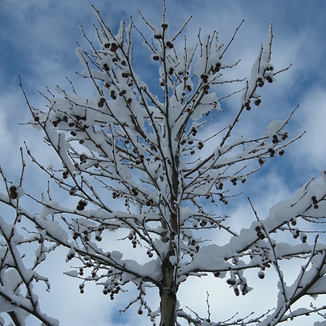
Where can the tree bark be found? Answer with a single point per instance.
(168, 290)
(14, 318)
(168, 295)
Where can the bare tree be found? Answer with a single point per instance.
(157, 170)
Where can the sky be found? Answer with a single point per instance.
(38, 41)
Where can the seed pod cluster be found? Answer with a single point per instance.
(303, 237)
(293, 222)
(81, 288)
(260, 234)
(216, 68)
(112, 287)
(116, 194)
(134, 191)
(244, 288)
(98, 237)
(223, 199)
(169, 44)
(231, 281)
(81, 205)
(247, 105)
(157, 35)
(257, 101)
(296, 233)
(155, 57)
(315, 202)
(234, 181)
(71, 255)
(133, 238)
(271, 152)
(260, 82)
(204, 78)
(275, 139)
(101, 102)
(65, 174)
(13, 192)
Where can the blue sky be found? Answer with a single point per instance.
(38, 41)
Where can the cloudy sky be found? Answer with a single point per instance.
(38, 40)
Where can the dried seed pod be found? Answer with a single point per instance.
(81, 205)
(101, 102)
(114, 47)
(285, 136)
(260, 82)
(275, 139)
(13, 194)
(244, 290)
(157, 35)
(204, 77)
(217, 67)
(165, 25)
(169, 44)
(231, 281)
(269, 78)
(247, 105)
(12, 189)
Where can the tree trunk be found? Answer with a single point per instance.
(168, 295)
(168, 290)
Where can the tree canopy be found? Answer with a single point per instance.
(154, 167)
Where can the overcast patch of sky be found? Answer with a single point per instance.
(38, 39)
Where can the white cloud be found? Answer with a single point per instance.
(312, 118)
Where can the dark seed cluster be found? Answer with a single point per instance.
(13, 192)
(81, 205)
